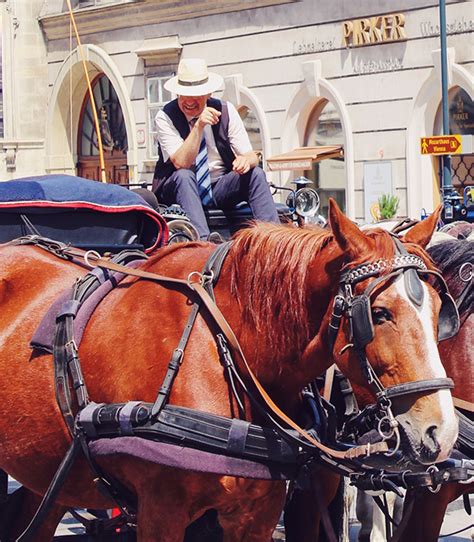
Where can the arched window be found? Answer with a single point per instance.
(461, 121)
(253, 129)
(324, 127)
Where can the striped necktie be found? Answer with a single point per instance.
(203, 176)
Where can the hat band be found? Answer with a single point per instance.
(192, 83)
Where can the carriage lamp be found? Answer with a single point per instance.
(307, 202)
(304, 200)
(453, 208)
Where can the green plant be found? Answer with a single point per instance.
(388, 206)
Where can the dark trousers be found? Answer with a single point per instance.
(228, 191)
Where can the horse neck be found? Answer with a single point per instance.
(274, 339)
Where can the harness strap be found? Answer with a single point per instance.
(464, 405)
(420, 386)
(211, 269)
(174, 364)
(53, 489)
(357, 451)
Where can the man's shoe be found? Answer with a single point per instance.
(215, 237)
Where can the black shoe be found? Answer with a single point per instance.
(216, 238)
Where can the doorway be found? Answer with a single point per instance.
(112, 131)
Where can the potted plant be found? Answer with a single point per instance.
(388, 206)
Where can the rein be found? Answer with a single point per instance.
(199, 285)
(197, 282)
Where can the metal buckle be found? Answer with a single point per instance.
(430, 470)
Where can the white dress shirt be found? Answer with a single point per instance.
(171, 141)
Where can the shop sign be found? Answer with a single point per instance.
(376, 66)
(313, 46)
(378, 29)
(456, 26)
(443, 144)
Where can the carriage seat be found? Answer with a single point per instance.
(230, 221)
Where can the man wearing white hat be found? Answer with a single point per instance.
(205, 155)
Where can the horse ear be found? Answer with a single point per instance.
(347, 234)
(421, 233)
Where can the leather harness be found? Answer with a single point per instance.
(293, 445)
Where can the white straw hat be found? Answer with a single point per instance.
(194, 79)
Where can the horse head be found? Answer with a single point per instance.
(389, 333)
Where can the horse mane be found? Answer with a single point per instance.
(269, 273)
(448, 256)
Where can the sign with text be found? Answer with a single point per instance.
(378, 29)
(377, 181)
(443, 144)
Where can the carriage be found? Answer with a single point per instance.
(220, 415)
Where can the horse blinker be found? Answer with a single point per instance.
(361, 320)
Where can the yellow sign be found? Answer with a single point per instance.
(379, 29)
(443, 144)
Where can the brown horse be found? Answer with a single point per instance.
(428, 508)
(303, 511)
(449, 256)
(276, 291)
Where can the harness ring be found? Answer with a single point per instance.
(199, 281)
(470, 271)
(91, 254)
(430, 470)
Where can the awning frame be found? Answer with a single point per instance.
(302, 158)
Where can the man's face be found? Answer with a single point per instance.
(192, 106)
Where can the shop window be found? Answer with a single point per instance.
(461, 121)
(113, 135)
(325, 128)
(111, 121)
(253, 129)
(157, 98)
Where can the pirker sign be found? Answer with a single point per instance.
(378, 29)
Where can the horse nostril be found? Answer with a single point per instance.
(430, 441)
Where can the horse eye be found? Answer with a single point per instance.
(380, 315)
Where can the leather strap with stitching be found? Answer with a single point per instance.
(199, 289)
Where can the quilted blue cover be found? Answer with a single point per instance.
(62, 193)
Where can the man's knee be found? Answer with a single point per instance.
(257, 175)
(184, 177)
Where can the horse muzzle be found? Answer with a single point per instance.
(429, 439)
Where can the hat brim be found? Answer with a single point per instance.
(213, 83)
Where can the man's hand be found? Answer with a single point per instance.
(209, 116)
(244, 162)
(241, 165)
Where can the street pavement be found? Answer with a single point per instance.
(455, 519)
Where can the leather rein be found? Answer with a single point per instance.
(198, 285)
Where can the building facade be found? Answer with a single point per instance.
(362, 75)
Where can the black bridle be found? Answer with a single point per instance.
(357, 309)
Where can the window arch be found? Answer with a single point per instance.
(324, 127)
(253, 128)
(251, 112)
(461, 121)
